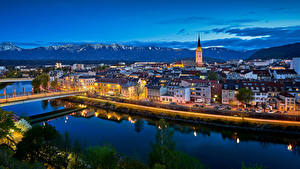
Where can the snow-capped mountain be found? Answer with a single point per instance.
(6, 46)
(112, 52)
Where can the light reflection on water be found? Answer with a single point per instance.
(131, 135)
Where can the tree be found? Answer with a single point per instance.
(101, 157)
(40, 144)
(6, 124)
(7, 161)
(40, 81)
(244, 95)
(163, 154)
(129, 163)
(212, 75)
(45, 80)
(264, 106)
(139, 90)
(164, 145)
(54, 84)
(36, 83)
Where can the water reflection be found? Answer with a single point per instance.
(291, 141)
(132, 134)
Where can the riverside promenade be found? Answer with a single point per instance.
(191, 114)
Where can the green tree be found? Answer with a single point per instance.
(101, 157)
(159, 166)
(129, 163)
(6, 124)
(54, 84)
(45, 80)
(244, 95)
(212, 75)
(40, 81)
(41, 144)
(163, 152)
(9, 162)
(13, 73)
(36, 84)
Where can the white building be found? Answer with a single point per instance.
(295, 64)
(182, 95)
(78, 67)
(284, 74)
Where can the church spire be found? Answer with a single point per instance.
(199, 45)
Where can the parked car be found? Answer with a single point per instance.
(196, 106)
(173, 103)
(216, 107)
(258, 111)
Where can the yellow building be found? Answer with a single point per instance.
(121, 87)
(109, 87)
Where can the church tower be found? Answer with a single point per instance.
(199, 53)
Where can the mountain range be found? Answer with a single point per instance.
(279, 52)
(84, 52)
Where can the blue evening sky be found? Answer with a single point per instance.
(174, 23)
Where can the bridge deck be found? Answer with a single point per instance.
(15, 80)
(43, 96)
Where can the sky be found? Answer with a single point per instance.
(236, 24)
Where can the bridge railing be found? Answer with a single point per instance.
(36, 95)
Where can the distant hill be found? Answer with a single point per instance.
(84, 52)
(279, 52)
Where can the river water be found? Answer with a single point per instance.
(217, 148)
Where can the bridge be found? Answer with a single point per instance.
(6, 80)
(37, 97)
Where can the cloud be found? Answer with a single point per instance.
(208, 21)
(181, 31)
(267, 37)
(286, 32)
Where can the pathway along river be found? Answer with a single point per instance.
(132, 135)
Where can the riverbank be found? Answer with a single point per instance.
(248, 123)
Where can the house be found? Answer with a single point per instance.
(284, 102)
(110, 86)
(182, 95)
(154, 92)
(293, 88)
(284, 74)
(200, 90)
(86, 82)
(229, 92)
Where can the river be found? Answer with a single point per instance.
(131, 135)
